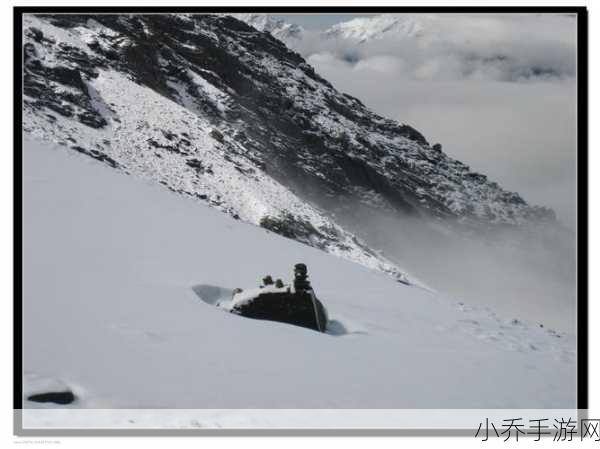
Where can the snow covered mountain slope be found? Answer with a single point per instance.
(213, 81)
(111, 264)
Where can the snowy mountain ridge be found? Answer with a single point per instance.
(278, 28)
(214, 109)
(370, 28)
(148, 334)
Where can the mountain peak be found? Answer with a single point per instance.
(279, 28)
(365, 29)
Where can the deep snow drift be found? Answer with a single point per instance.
(111, 307)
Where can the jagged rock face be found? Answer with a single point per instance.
(215, 109)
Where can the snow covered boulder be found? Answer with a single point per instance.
(294, 304)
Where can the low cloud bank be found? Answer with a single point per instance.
(529, 275)
(497, 91)
(516, 47)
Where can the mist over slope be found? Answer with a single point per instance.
(484, 85)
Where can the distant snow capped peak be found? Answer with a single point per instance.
(369, 28)
(262, 22)
(278, 28)
(362, 29)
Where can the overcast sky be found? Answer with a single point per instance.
(497, 91)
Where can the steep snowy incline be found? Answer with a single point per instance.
(267, 106)
(111, 264)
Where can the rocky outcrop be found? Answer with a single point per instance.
(293, 304)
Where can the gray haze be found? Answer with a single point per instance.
(527, 274)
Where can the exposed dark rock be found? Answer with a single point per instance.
(35, 34)
(268, 280)
(55, 397)
(286, 307)
(92, 120)
(298, 305)
(46, 83)
(170, 147)
(97, 155)
(198, 166)
(217, 135)
(294, 228)
(412, 134)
